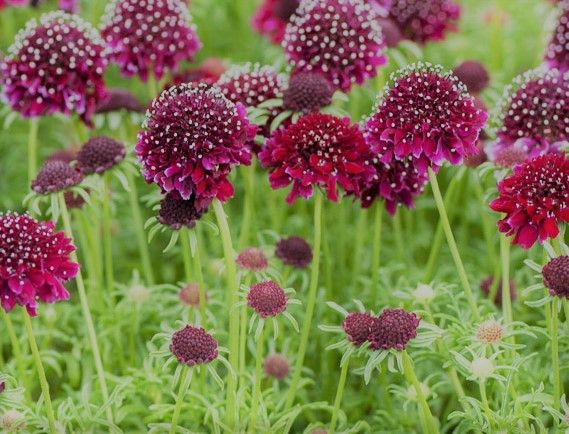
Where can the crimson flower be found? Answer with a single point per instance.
(556, 276)
(357, 326)
(193, 346)
(393, 329)
(267, 299)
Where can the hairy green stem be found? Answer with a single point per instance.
(107, 238)
(485, 404)
(554, 333)
(186, 254)
(339, 395)
(17, 349)
(33, 149)
(506, 295)
(398, 235)
(257, 385)
(249, 206)
(376, 251)
(185, 381)
(243, 336)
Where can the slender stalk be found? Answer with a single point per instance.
(452, 244)
(185, 381)
(339, 395)
(485, 404)
(17, 349)
(41, 374)
(231, 296)
(376, 252)
(257, 385)
(487, 227)
(249, 208)
(554, 333)
(243, 336)
(398, 235)
(92, 249)
(107, 237)
(199, 275)
(185, 244)
(506, 296)
(87, 317)
(359, 243)
(33, 149)
(311, 302)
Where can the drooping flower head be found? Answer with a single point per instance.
(534, 113)
(149, 36)
(276, 366)
(100, 154)
(340, 39)
(56, 65)
(267, 299)
(486, 287)
(318, 151)
(425, 20)
(393, 329)
(474, 76)
(193, 346)
(557, 54)
(252, 259)
(357, 326)
(192, 137)
(294, 251)
(556, 276)
(34, 262)
(535, 199)
(120, 99)
(272, 17)
(177, 213)
(55, 176)
(307, 92)
(425, 114)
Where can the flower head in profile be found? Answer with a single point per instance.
(294, 251)
(252, 259)
(190, 295)
(535, 199)
(272, 17)
(55, 176)
(318, 151)
(149, 36)
(276, 366)
(34, 262)
(474, 75)
(557, 54)
(56, 65)
(100, 154)
(340, 39)
(357, 326)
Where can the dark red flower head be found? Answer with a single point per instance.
(393, 329)
(100, 154)
(428, 115)
(149, 35)
(252, 259)
(192, 137)
(474, 75)
(272, 17)
(425, 20)
(276, 366)
(120, 99)
(556, 276)
(267, 299)
(34, 262)
(193, 346)
(357, 326)
(319, 150)
(177, 213)
(55, 176)
(486, 286)
(535, 199)
(55, 66)
(294, 251)
(391, 32)
(557, 55)
(307, 92)
(340, 39)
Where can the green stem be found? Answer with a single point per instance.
(485, 404)
(257, 386)
(107, 238)
(487, 227)
(87, 317)
(312, 292)
(41, 374)
(199, 274)
(339, 395)
(398, 235)
(185, 381)
(360, 233)
(231, 296)
(452, 244)
(33, 149)
(186, 252)
(92, 249)
(17, 349)
(506, 296)
(249, 207)
(555, 353)
(376, 252)
(243, 336)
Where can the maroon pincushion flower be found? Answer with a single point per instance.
(177, 213)
(100, 154)
(393, 329)
(391, 32)
(267, 299)
(272, 17)
(276, 366)
(252, 259)
(294, 251)
(319, 150)
(474, 75)
(193, 346)
(425, 20)
(192, 137)
(149, 36)
(535, 199)
(55, 176)
(556, 276)
(426, 114)
(357, 326)
(486, 286)
(55, 66)
(307, 93)
(34, 262)
(120, 99)
(340, 39)
(557, 55)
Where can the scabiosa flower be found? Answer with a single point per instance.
(489, 332)
(177, 213)
(55, 66)
(34, 262)
(393, 329)
(190, 295)
(120, 99)
(319, 150)
(276, 366)
(294, 251)
(272, 17)
(252, 259)
(556, 276)
(340, 39)
(307, 92)
(425, 20)
(267, 299)
(474, 75)
(65, 155)
(100, 154)
(428, 115)
(149, 36)
(535, 199)
(357, 326)
(486, 286)
(191, 138)
(534, 113)
(55, 176)
(193, 346)
(557, 55)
